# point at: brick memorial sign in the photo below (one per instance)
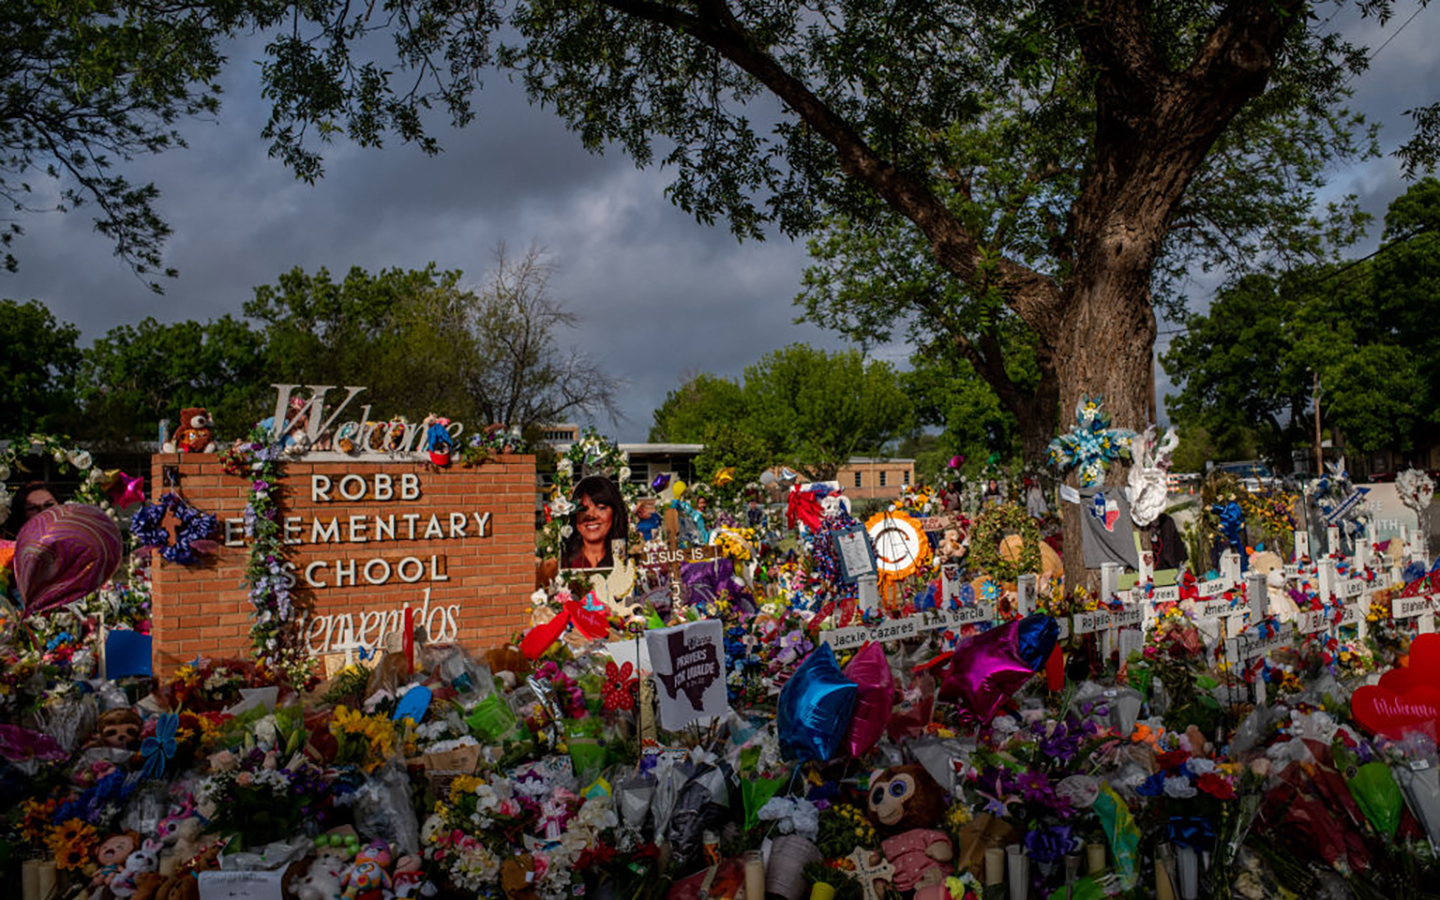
(364, 540)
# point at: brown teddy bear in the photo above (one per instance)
(193, 434)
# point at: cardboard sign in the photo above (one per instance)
(1249, 646)
(1102, 620)
(1168, 594)
(443, 768)
(858, 635)
(1410, 607)
(241, 885)
(689, 672)
(1213, 587)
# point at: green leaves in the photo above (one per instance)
(38, 359)
(799, 405)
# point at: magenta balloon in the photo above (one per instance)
(63, 554)
(871, 672)
(987, 670)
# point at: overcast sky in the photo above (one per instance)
(663, 297)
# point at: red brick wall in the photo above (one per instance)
(204, 608)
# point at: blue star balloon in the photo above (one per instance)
(815, 707)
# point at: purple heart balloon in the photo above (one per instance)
(63, 554)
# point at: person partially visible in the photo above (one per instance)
(647, 520)
(598, 520)
(28, 502)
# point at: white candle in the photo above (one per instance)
(754, 876)
(47, 879)
(1095, 858)
(30, 879)
(994, 866)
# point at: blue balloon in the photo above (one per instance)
(1037, 635)
(815, 708)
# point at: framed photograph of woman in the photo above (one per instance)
(599, 525)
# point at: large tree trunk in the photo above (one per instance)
(1105, 348)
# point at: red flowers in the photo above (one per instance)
(1216, 785)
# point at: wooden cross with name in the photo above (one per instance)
(673, 556)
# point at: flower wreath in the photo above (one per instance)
(591, 455)
(91, 489)
(991, 529)
(148, 528)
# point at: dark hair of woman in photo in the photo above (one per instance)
(29, 501)
(598, 519)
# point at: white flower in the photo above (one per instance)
(59, 456)
(564, 466)
(624, 473)
(94, 476)
(566, 532)
(539, 598)
(265, 731)
(1201, 766)
(1179, 787)
(80, 459)
(560, 507)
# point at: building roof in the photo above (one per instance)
(645, 448)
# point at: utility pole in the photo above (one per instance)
(1319, 452)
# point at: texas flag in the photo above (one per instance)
(1104, 511)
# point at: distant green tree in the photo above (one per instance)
(38, 359)
(420, 343)
(696, 406)
(403, 334)
(818, 409)
(734, 446)
(1363, 332)
(135, 375)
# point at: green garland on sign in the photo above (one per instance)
(591, 455)
(993, 527)
(66, 456)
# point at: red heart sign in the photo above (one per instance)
(1383, 711)
(1424, 667)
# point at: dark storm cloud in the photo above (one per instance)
(662, 297)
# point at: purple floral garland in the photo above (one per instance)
(148, 528)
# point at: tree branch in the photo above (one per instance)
(1028, 292)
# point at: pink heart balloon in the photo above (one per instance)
(873, 702)
(63, 554)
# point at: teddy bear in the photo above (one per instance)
(369, 878)
(904, 802)
(410, 883)
(951, 546)
(146, 859)
(193, 434)
(322, 880)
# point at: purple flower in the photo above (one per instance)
(1034, 787)
(20, 744)
(1048, 845)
